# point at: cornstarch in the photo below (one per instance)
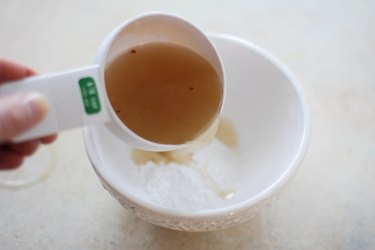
(208, 181)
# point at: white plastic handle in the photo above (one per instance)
(75, 100)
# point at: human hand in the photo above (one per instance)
(18, 113)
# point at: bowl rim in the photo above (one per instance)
(290, 171)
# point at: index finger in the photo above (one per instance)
(10, 71)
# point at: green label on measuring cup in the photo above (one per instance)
(89, 95)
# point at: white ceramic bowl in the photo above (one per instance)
(265, 103)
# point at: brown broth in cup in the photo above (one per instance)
(163, 92)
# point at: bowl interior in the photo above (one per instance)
(266, 107)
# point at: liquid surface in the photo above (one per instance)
(163, 92)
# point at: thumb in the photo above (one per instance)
(20, 112)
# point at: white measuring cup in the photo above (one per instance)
(78, 97)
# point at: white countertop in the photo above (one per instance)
(329, 46)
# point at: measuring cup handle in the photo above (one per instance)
(75, 99)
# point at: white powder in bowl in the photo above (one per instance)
(209, 181)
